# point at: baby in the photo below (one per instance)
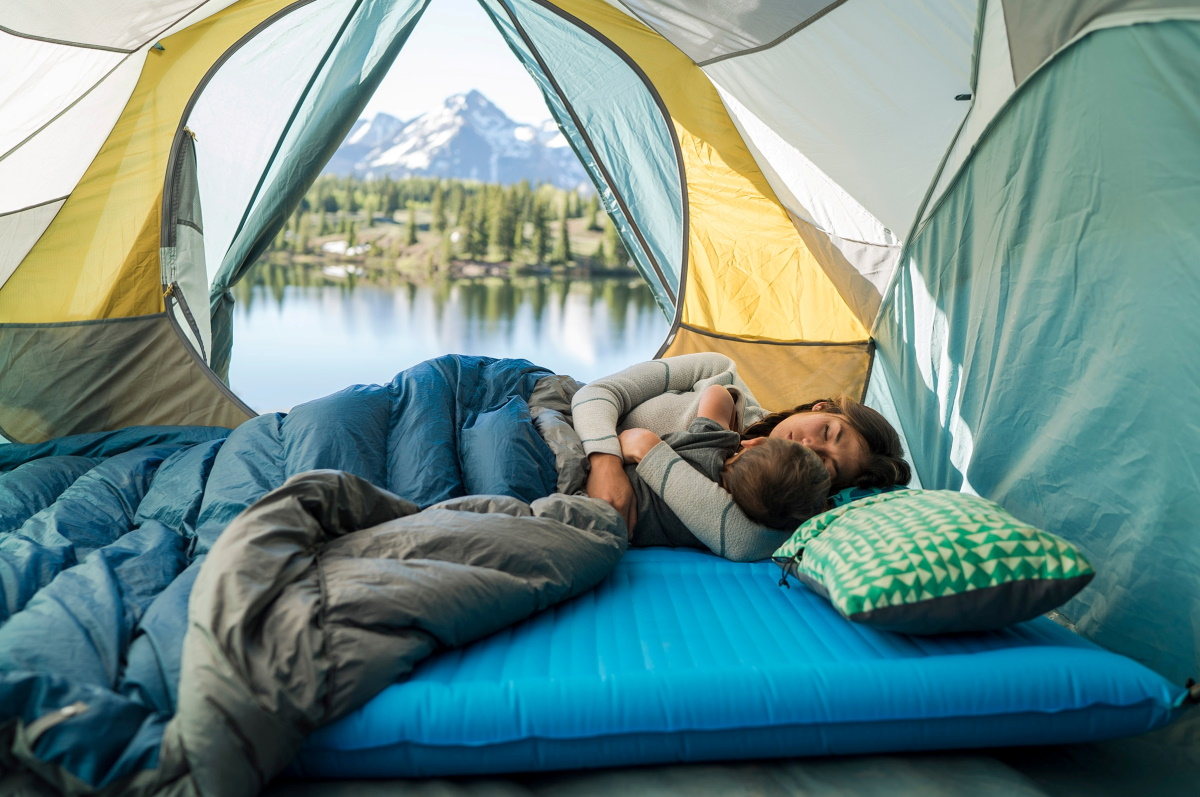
(776, 483)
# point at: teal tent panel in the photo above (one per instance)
(358, 58)
(628, 146)
(1038, 338)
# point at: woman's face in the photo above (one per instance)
(840, 447)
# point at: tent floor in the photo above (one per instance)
(1165, 763)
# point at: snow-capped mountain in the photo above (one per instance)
(467, 137)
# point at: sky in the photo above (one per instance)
(453, 49)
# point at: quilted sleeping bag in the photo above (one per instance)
(111, 684)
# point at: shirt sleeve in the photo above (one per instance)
(599, 406)
(707, 510)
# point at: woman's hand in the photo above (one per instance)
(608, 482)
(636, 443)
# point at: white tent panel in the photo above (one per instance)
(994, 85)
(867, 93)
(706, 29)
(19, 232)
(242, 111)
(118, 24)
(50, 164)
(202, 11)
(803, 188)
(39, 80)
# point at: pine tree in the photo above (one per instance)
(351, 237)
(458, 201)
(539, 241)
(617, 256)
(412, 224)
(562, 244)
(593, 213)
(503, 222)
(478, 233)
(322, 223)
(304, 234)
(467, 223)
(438, 209)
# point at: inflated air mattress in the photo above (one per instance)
(683, 656)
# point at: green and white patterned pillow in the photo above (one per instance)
(933, 561)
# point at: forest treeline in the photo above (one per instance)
(433, 222)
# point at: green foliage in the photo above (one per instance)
(513, 223)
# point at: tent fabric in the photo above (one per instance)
(98, 258)
(1037, 30)
(631, 153)
(878, 129)
(779, 373)
(245, 102)
(119, 25)
(142, 351)
(713, 29)
(346, 77)
(1062, 396)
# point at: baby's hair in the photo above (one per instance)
(778, 483)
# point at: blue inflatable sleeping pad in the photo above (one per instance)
(682, 656)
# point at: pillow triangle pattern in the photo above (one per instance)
(906, 547)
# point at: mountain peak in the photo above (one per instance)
(466, 137)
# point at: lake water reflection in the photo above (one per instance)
(293, 343)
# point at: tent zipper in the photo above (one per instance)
(173, 291)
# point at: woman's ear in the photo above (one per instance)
(753, 441)
(820, 406)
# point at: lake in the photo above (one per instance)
(293, 343)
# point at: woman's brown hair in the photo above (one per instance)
(885, 466)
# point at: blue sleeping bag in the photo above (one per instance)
(102, 536)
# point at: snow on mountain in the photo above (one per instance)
(467, 137)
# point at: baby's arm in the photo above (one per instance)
(716, 403)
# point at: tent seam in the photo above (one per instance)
(676, 298)
(777, 40)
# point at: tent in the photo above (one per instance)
(978, 214)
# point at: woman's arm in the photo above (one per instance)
(599, 406)
(708, 511)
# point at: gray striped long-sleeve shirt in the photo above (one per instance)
(663, 396)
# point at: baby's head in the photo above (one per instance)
(777, 483)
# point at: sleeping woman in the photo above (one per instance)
(856, 444)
